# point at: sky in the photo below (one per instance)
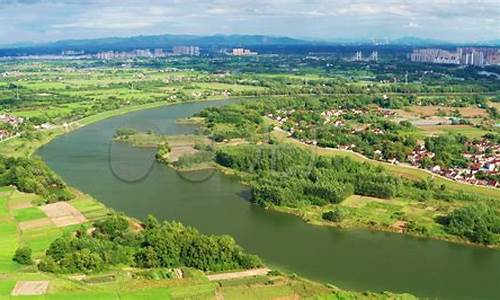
(450, 20)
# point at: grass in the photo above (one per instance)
(88, 206)
(468, 131)
(39, 239)
(8, 238)
(28, 214)
(466, 112)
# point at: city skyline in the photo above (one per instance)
(448, 20)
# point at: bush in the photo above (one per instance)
(23, 256)
(335, 215)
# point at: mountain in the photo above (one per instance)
(165, 41)
(257, 42)
(419, 42)
(495, 43)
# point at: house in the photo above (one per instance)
(12, 120)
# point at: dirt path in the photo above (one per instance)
(234, 275)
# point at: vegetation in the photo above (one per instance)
(118, 283)
(336, 215)
(33, 176)
(159, 245)
(478, 223)
(23, 256)
(328, 189)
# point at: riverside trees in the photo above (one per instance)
(167, 244)
(33, 176)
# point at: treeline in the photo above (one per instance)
(288, 176)
(31, 175)
(111, 242)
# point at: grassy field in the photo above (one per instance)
(466, 112)
(467, 130)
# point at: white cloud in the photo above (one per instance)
(413, 25)
(449, 19)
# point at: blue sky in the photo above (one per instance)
(48, 20)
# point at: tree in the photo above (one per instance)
(23, 256)
(478, 223)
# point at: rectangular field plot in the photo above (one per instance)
(63, 214)
(28, 214)
(28, 288)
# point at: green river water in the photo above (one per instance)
(129, 180)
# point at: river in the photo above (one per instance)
(129, 180)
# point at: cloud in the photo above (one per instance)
(413, 25)
(57, 19)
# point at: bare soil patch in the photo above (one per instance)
(234, 275)
(466, 112)
(28, 288)
(177, 151)
(33, 224)
(62, 214)
(400, 225)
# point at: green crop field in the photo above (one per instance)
(28, 214)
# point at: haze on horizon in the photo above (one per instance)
(449, 20)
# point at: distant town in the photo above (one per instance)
(461, 56)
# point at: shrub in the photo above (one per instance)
(23, 256)
(335, 215)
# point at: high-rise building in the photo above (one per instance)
(243, 52)
(158, 52)
(358, 56)
(433, 55)
(473, 56)
(186, 50)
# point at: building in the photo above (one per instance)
(11, 120)
(473, 56)
(186, 50)
(243, 52)
(158, 52)
(146, 53)
(433, 55)
(358, 56)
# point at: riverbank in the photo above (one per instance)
(81, 158)
(397, 215)
(19, 146)
(20, 210)
(375, 221)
